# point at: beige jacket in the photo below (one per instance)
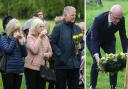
(39, 50)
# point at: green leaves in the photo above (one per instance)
(51, 8)
(113, 62)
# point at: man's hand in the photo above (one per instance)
(126, 54)
(78, 46)
(96, 55)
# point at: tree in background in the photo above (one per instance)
(51, 8)
(99, 2)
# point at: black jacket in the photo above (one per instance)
(63, 47)
(102, 33)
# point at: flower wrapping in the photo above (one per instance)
(76, 40)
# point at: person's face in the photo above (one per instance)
(40, 15)
(116, 17)
(17, 30)
(40, 28)
(70, 16)
(81, 25)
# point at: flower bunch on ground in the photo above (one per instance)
(113, 62)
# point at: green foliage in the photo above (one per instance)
(51, 8)
(113, 62)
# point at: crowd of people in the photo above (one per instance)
(28, 47)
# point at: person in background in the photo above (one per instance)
(82, 26)
(58, 19)
(102, 35)
(25, 29)
(67, 62)
(37, 14)
(12, 43)
(82, 72)
(51, 84)
(39, 50)
(26, 26)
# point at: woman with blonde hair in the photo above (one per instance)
(12, 44)
(39, 50)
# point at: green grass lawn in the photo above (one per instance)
(22, 22)
(91, 12)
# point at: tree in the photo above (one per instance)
(51, 8)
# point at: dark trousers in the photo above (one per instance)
(43, 84)
(51, 85)
(11, 81)
(67, 77)
(108, 48)
(33, 79)
(51, 66)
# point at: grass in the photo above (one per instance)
(51, 23)
(91, 12)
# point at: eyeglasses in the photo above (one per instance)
(116, 18)
(40, 14)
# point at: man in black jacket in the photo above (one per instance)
(102, 35)
(67, 63)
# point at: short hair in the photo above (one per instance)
(35, 22)
(67, 9)
(36, 13)
(12, 25)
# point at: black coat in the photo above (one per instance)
(101, 33)
(63, 47)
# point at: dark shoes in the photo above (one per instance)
(113, 87)
(91, 87)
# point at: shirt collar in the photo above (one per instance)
(109, 19)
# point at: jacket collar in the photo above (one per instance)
(68, 23)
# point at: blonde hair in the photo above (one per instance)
(35, 22)
(12, 25)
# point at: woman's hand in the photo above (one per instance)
(43, 33)
(22, 40)
(17, 35)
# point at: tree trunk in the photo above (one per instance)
(88, 1)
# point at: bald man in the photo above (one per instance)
(102, 35)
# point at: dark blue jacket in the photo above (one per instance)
(63, 47)
(15, 52)
(102, 34)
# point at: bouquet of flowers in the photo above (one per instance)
(76, 40)
(113, 62)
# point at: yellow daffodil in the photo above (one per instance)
(74, 37)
